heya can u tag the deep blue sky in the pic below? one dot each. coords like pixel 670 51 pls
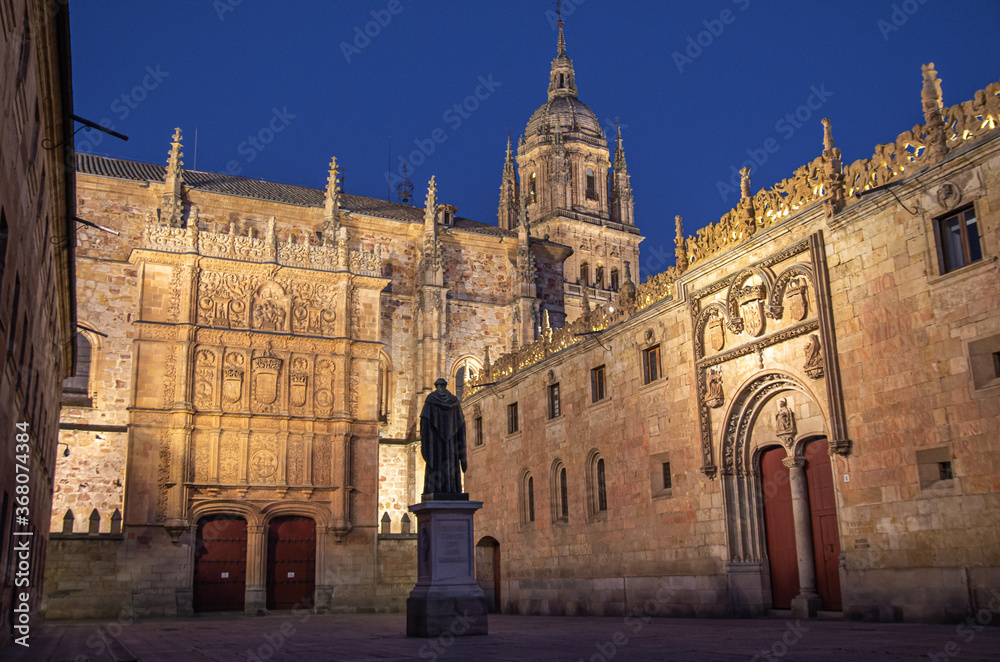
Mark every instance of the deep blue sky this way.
pixel 225 68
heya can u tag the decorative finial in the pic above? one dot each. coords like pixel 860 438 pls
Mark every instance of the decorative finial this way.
pixel 680 250
pixel 744 183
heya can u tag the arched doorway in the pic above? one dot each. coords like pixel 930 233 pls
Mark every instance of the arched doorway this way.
pixel 220 563
pixel 291 562
pixel 488 572
pixel 779 527
pixel 823 516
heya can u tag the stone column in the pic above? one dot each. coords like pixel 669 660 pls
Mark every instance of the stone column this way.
pixel 807 602
pixel 256 592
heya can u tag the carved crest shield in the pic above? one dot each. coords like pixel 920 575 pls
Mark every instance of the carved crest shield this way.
pixel 298 389
pixel 752 312
pixel 716 334
pixel 232 384
pixel 265 379
pixel 797 303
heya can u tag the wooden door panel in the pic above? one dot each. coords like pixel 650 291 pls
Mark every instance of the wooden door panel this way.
pixel 823 515
pixel 291 563
pixel 779 527
pixel 220 563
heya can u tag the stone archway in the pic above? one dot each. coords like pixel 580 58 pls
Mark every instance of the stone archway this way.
pixel 772 409
pixel 488 572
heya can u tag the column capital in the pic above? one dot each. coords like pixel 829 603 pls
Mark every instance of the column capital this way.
pixel 794 462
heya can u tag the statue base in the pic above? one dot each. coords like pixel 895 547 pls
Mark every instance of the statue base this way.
pixel 447 597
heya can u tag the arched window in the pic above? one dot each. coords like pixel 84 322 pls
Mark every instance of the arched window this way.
pixel 559 497
pixel 599 278
pixel 591 184
pixel 463 370
pixel 533 190
pixel 384 387
pixel 584 274
pixel 77 391
pixel 614 280
pixel 597 487
pixel 526 498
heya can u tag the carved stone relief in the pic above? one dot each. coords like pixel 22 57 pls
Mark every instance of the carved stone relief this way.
pixel 269 309
pixel 784 422
pixel 204 378
pixel 263 466
pixel 321 461
pixel 266 370
pixel 232 380
pixel 714 396
pixel 796 297
pixel 814 358
pixel 229 457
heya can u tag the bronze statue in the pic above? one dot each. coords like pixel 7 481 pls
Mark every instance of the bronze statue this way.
pixel 442 442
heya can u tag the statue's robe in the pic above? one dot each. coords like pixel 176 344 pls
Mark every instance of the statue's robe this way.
pixel 442 443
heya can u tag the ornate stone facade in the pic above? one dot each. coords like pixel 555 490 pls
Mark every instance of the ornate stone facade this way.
pixel 798 415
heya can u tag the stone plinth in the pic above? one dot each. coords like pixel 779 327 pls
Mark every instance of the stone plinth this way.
pixel 446 597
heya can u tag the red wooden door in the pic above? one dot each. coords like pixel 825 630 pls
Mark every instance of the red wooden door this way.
pixel 779 527
pixel 291 562
pixel 220 564
pixel 823 509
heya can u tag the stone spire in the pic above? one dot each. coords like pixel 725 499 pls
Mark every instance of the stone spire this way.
pixel 331 205
pixel 430 207
pixel 622 205
pixel 680 246
pixel 509 193
pixel 562 80
pixel 937 141
pixel 833 172
pixel 745 212
pixel 171 206
pixel 431 261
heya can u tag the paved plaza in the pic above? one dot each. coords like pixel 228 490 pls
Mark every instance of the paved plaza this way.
pixel 289 636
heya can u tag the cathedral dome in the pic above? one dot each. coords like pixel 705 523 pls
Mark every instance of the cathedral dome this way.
pixel 563 113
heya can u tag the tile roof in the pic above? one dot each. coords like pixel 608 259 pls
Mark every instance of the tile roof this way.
pixel 260 190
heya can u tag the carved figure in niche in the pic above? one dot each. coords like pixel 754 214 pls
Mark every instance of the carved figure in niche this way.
pixel 263 465
pixel 814 358
pixel 268 311
pixel 442 442
pixel 798 304
pixel 714 396
pixel 716 333
pixel 784 420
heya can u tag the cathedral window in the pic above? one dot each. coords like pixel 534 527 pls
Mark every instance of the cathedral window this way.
pixel 597 490
pixel 555 408
pixel 597 384
pixel 614 280
pixel 526 501
pixel 512 423
pixel 384 392
pixel 584 274
pixel 465 368
pixel 958 240
pixel 533 189
pixel 591 184
pixel 650 364
pixel 560 493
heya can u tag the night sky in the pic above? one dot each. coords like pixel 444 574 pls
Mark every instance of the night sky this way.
pixel 274 90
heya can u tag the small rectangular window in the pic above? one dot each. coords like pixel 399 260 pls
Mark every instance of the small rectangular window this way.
pixel 512 426
pixel 667 482
pixel 554 405
pixel 651 364
pixel 597 384
pixel 958 237
pixel 479 430
pixel 944 471
pixel 934 467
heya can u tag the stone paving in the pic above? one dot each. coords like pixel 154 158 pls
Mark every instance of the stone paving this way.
pixel 299 637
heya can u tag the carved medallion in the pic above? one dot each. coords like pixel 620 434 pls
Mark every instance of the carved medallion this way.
pixel 324 398
pixel 263 465
pixel 716 334
pixel 949 195
pixel 298 389
pixel 265 378
pixel 798 304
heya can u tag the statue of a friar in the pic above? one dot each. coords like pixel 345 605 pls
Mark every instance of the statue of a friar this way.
pixel 442 441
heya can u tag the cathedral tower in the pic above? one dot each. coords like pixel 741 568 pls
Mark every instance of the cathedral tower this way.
pixel 563 162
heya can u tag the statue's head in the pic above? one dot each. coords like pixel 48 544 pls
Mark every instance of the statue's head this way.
pixel 440 384
pixel 781 403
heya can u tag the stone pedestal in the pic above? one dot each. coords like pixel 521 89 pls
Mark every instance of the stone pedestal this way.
pixel 446 597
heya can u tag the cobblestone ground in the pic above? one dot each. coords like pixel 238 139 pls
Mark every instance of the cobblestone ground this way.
pixel 320 638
